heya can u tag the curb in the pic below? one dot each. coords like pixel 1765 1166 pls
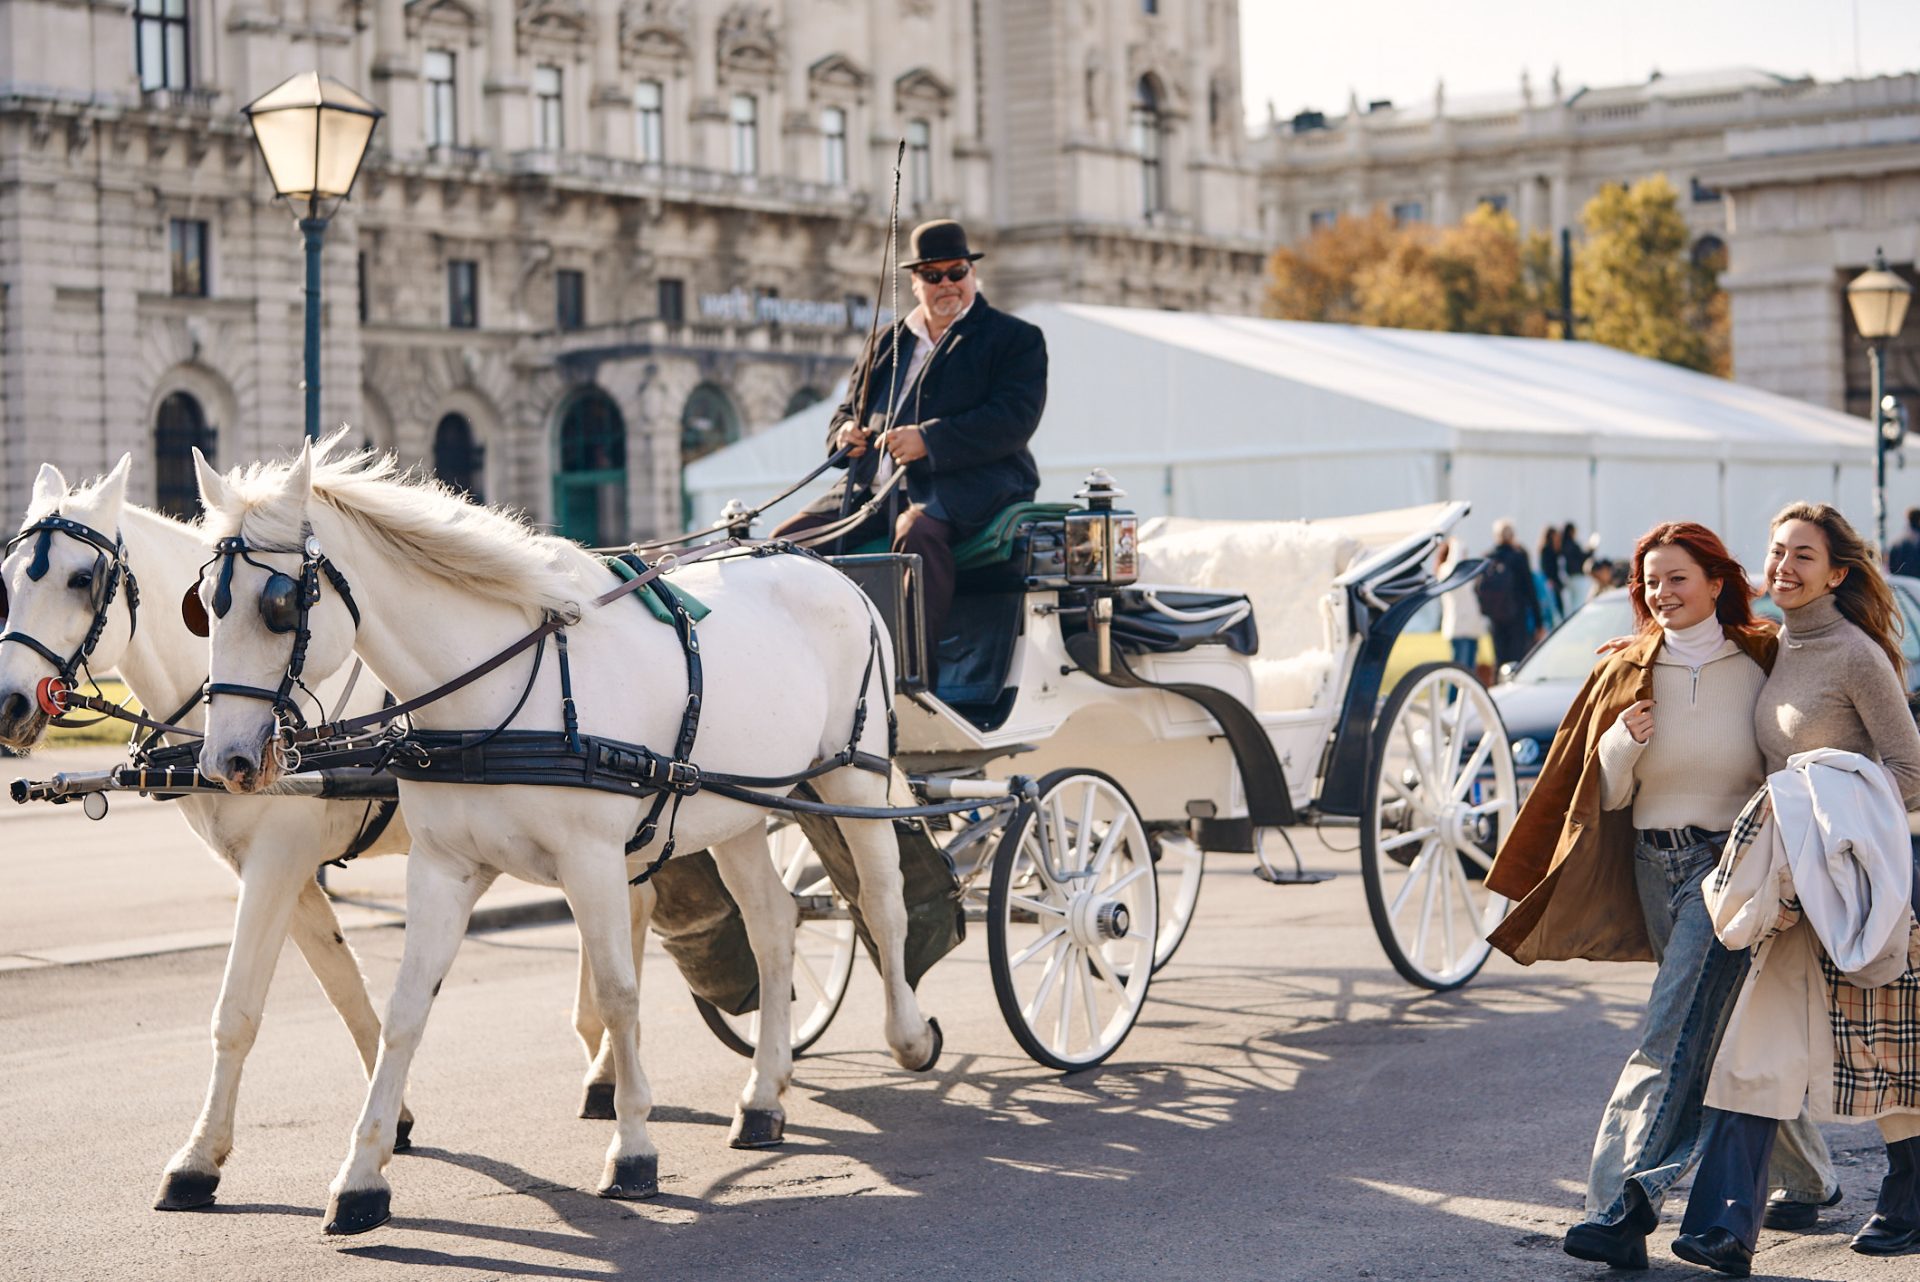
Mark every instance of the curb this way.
pixel 485 919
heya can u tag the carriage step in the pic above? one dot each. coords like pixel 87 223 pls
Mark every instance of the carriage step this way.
pixel 1294 876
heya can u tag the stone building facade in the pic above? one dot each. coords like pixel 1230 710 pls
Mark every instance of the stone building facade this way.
pixel 593 238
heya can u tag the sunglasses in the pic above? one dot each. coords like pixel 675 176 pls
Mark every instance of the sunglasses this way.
pixel 933 275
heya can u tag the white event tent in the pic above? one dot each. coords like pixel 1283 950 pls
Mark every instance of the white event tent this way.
pixel 1230 416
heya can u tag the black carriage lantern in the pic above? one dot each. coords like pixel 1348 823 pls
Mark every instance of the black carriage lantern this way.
pixel 1103 543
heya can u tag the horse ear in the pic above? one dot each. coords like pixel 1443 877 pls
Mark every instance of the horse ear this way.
pixel 193 611
pixel 113 493
pixel 300 479
pixel 49 486
pixel 213 490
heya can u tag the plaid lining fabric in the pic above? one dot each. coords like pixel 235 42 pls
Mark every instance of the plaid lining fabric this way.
pixel 1876 1040
pixel 1753 820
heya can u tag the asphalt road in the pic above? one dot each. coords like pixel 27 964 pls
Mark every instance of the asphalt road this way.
pixel 1286 1109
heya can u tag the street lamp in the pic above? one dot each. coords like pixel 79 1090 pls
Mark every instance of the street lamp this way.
pixel 313 133
pixel 1879 301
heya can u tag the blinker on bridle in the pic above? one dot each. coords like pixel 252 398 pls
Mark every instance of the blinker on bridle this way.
pixel 109 568
pixel 286 605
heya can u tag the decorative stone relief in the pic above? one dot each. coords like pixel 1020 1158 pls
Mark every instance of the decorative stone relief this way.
pixel 553 20
pixel 655 29
pixel 465 13
pixel 749 41
pixel 837 72
pixel 919 92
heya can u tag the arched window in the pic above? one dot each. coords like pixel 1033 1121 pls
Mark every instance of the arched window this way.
pixel 708 422
pixel 590 485
pixel 179 427
pixel 457 457
pixel 801 399
pixel 1149 131
pixel 1710 252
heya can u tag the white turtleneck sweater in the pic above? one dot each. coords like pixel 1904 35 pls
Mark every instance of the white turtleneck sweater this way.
pixel 1701 764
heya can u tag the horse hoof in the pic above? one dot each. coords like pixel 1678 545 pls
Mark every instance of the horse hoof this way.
pixel 757 1128
pixel 939 1042
pixel 597 1104
pixel 186 1190
pixel 357 1210
pixel 632 1179
pixel 403 1135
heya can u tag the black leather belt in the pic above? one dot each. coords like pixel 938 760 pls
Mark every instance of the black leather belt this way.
pixel 1680 838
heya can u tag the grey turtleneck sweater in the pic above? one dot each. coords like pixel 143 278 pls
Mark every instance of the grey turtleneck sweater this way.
pixel 1832 687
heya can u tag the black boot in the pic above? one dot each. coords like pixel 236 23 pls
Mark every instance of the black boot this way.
pixel 1894 1227
pixel 1620 1245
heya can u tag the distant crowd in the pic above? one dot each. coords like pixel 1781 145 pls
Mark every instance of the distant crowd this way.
pixel 1519 597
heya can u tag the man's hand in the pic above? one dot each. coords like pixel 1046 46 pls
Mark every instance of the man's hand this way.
pixel 853 438
pixel 906 444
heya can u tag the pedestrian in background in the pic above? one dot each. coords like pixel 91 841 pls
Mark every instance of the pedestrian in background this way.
pixel 1461 620
pixel 1607 859
pixel 1601 577
pixel 1904 556
pixel 1547 578
pixel 1573 567
pixel 1507 597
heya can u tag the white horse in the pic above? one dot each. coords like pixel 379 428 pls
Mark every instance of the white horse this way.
pixel 272 844
pixel 440 586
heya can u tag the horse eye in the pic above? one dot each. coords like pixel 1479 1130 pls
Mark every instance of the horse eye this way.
pixel 81 579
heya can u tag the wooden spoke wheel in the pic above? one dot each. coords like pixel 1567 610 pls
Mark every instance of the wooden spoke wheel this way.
pixel 823 949
pixel 1440 798
pixel 1071 940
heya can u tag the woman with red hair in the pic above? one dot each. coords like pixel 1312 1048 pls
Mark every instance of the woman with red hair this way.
pixel 1606 860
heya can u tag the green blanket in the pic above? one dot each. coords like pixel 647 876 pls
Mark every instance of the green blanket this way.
pixel 626 574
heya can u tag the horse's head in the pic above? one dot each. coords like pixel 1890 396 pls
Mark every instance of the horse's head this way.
pixel 277 610
pixel 64 596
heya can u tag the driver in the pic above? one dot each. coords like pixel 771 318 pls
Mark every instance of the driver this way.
pixel 966 398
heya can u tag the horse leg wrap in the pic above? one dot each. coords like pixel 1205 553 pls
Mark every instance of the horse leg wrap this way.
pixel 632 1179
pixel 757 1128
pixel 357 1210
pixel 186 1190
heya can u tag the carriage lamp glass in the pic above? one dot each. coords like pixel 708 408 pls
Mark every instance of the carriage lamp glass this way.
pixel 313 133
pixel 1103 545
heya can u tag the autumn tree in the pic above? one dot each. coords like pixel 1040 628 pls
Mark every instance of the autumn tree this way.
pixel 1477 277
pixel 1636 285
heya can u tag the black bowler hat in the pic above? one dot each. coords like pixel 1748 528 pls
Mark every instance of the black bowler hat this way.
pixel 939 241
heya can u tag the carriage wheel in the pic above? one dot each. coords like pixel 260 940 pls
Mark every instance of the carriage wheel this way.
pixel 1440 799
pixel 823 949
pixel 1072 959
pixel 1178 871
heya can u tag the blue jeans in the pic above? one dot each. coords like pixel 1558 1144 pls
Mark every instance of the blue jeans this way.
pixel 1466 651
pixel 1653 1130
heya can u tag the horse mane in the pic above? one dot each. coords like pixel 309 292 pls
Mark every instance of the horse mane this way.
pixel 423 523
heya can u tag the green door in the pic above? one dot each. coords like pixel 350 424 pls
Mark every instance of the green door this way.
pixel 590 483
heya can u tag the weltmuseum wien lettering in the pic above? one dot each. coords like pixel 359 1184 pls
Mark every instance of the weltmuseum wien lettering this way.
pixel 743 308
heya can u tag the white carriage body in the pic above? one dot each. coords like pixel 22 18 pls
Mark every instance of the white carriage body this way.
pixel 1165 749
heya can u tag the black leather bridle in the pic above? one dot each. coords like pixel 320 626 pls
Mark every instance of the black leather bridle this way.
pixel 286 605
pixel 109 570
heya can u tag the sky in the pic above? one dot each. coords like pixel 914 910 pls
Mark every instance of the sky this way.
pixel 1310 53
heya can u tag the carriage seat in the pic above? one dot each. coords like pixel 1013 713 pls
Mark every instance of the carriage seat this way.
pixel 995 544
pixel 1152 619
pixel 1286 569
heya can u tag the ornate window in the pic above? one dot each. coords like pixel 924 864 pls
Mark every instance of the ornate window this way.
pixel 590 485
pixel 919 161
pixel 187 248
pixel 463 294
pixel 550 132
pixel 178 429
pixel 457 457
pixel 746 134
pixel 833 146
pixel 569 299
pixel 649 134
pixel 442 117
pixel 1148 139
pixel 160 44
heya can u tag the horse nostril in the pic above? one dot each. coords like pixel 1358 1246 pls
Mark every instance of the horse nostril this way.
pixel 15 708
pixel 239 769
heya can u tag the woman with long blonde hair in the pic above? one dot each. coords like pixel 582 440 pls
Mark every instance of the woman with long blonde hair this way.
pixel 1836 684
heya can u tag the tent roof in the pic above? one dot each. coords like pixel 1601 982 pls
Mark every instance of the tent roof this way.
pixel 1134 385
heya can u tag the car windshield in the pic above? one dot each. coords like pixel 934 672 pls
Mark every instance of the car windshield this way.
pixel 1568 655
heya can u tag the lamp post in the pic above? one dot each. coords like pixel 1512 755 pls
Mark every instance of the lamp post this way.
pixel 1878 299
pixel 313 133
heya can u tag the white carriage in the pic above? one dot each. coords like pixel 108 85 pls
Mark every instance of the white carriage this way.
pixel 1155 692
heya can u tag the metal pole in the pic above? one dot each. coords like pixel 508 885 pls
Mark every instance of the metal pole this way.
pixel 1566 284
pixel 1879 449
pixel 313 229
